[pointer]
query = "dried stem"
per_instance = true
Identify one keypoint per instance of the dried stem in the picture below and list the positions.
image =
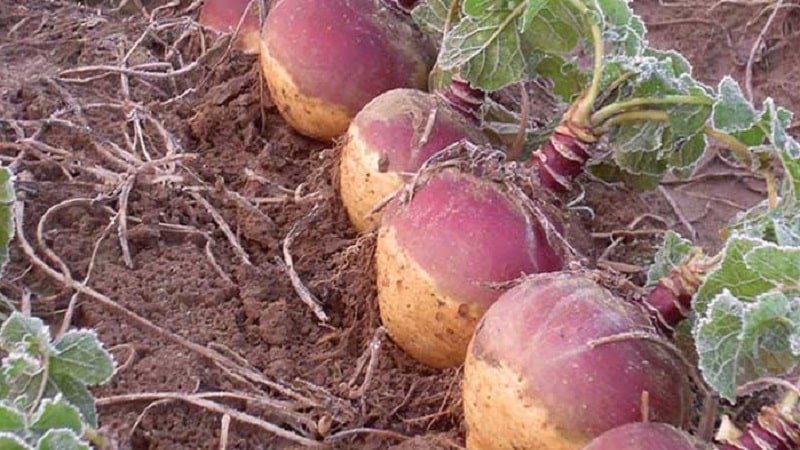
(288, 265)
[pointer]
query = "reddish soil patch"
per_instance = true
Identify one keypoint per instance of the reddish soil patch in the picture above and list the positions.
(202, 164)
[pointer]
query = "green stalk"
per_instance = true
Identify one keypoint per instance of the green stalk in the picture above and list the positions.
(615, 108)
(630, 116)
(585, 105)
(732, 143)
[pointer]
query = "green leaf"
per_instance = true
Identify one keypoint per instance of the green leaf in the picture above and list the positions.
(431, 16)
(497, 43)
(738, 343)
(674, 251)
(29, 331)
(553, 26)
(476, 8)
(56, 413)
(487, 50)
(623, 30)
(10, 441)
(22, 377)
(689, 119)
(7, 199)
(732, 111)
(61, 440)
(775, 264)
(11, 418)
(687, 153)
(733, 274)
(80, 355)
(566, 77)
(637, 149)
(77, 394)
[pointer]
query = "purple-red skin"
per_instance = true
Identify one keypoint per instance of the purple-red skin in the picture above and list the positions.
(560, 160)
(465, 232)
(775, 430)
(670, 300)
(345, 52)
(223, 16)
(395, 127)
(542, 329)
(646, 436)
(465, 99)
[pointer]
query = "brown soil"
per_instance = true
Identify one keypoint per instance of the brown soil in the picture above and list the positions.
(226, 172)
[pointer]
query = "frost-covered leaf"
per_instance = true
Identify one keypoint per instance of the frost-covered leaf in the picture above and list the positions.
(687, 153)
(732, 111)
(673, 252)
(552, 26)
(566, 77)
(637, 149)
(10, 441)
(775, 264)
(11, 418)
(733, 274)
(740, 342)
(496, 43)
(82, 356)
(21, 379)
(431, 15)
(7, 199)
(30, 331)
(77, 394)
(487, 50)
(56, 413)
(61, 440)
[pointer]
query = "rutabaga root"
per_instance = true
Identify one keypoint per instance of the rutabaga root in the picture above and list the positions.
(772, 430)
(563, 157)
(670, 301)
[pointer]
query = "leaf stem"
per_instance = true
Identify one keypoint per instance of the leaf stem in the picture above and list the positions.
(584, 107)
(605, 113)
(732, 143)
(743, 152)
(772, 188)
(631, 116)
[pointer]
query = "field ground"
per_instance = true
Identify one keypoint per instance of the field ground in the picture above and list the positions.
(181, 196)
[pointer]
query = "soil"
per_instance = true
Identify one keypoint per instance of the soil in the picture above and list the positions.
(172, 196)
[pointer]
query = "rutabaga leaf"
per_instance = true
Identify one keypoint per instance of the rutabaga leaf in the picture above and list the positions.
(732, 111)
(610, 172)
(687, 153)
(496, 43)
(11, 418)
(29, 331)
(566, 77)
(676, 63)
(553, 26)
(82, 357)
(476, 8)
(56, 413)
(10, 441)
(623, 32)
(431, 16)
(7, 199)
(77, 394)
(733, 274)
(61, 440)
(637, 148)
(740, 342)
(21, 378)
(486, 50)
(775, 264)
(788, 149)
(674, 251)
